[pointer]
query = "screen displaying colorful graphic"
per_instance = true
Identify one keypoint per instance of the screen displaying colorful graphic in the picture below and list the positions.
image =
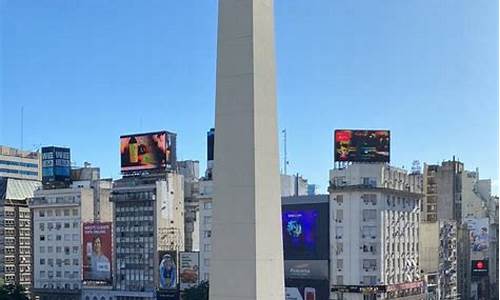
(147, 151)
(167, 267)
(56, 165)
(479, 234)
(362, 145)
(479, 268)
(97, 251)
(305, 231)
(189, 269)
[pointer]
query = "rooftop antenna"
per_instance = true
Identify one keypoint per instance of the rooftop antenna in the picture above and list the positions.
(22, 127)
(285, 161)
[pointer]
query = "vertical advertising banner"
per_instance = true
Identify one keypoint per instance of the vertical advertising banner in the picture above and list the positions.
(167, 267)
(479, 234)
(305, 231)
(97, 251)
(189, 269)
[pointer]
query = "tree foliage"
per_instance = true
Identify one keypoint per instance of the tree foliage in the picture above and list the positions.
(12, 292)
(199, 292)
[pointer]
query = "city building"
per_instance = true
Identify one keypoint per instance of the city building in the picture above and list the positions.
(15, 231)
(440, 258)
(306, 246)
(190, 169)
(293, 185)
(443, 191)
(148, 219)
(476, 194)
(15, 163)
(374, 224)
(58, 216)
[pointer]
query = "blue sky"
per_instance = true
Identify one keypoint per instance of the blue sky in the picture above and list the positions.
(88, 71)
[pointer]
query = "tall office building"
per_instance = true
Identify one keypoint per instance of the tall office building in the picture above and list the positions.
(375, 232)
(190, 169)
(15, 231)
(148, 220)
(15, 163)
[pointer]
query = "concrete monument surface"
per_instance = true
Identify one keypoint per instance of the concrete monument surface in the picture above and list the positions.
(247, 252)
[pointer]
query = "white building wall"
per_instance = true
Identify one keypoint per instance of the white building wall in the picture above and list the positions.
(57, 256)
(374, 227)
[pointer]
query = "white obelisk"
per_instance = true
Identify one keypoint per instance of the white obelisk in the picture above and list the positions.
(247, 252)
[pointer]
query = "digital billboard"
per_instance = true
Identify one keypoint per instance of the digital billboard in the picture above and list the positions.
(306, 269)
(479, 268)
(147, 151)
(56, 165)
(168, 271)
(189, 269)
(304, 289)
(210, 144)
(479, 235)
(362, 145)
(305, 231)
(97, 252)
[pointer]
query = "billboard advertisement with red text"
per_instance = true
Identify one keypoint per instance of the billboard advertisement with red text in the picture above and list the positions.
(97, 252)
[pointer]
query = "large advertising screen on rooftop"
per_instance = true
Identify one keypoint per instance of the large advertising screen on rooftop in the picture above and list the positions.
(97, 249)
(147, 151)
(362, 145)
(305, 231)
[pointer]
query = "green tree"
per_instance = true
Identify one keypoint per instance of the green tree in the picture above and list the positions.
(199, 292)
(13, 292)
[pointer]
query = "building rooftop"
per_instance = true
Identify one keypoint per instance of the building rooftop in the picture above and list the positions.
(17, 189)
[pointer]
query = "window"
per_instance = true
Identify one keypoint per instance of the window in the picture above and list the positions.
(41, 226)
(75, 212)
(75, 249)
(207, 247)
(207, 220)
(207, 205)
(206, 262)
(340, 280)
(340, 216)
(58, 237)
(75, 237)
(66, 212)
(340, 248)
(41, 213)
(58, 226)
(340, 264)
(66, 225)
(66, 250)
(42, 249)
(339, 231)
(75, 262)
(42, 261)
(58, 249)
(42, 238)
(369, 215)
(339, 199)
(76, 225)
(369, 264)
(207, 233)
